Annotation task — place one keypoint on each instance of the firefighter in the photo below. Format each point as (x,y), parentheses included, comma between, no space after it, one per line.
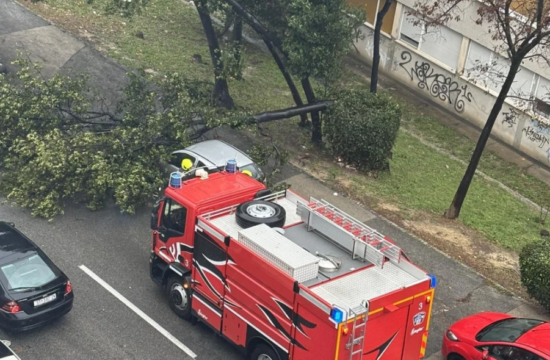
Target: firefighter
(186,164)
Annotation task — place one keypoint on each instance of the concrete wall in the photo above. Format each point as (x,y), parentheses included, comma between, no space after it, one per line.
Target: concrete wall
(409,66)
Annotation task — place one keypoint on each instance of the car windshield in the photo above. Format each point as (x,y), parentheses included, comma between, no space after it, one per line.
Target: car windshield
(29,272)
(507,330)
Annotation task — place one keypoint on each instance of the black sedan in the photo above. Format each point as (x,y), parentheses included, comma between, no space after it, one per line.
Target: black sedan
(33,291)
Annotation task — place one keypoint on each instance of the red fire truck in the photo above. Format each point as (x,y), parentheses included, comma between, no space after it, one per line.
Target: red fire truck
(284,277)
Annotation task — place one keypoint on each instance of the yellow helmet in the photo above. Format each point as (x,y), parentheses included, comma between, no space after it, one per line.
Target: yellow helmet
(247,172)
(186,164)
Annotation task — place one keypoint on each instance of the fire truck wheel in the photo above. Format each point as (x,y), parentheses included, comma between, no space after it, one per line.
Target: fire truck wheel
(263,352)
(455,357)
(179,297)
(257,212)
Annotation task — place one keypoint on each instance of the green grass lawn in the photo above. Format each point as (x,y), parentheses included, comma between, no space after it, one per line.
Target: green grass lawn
(462,147)
(421,178)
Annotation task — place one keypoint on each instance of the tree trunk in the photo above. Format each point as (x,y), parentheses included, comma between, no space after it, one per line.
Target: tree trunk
(316,132)
(220,94)
(288,113)
(454,210)
(254,23)
(237,41)
(376,50)
(293,89)
(238,29)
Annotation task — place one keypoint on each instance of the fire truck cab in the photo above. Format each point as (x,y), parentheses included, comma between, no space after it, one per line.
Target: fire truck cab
(285,277)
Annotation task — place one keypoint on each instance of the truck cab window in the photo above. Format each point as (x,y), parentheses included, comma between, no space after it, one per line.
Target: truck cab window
(174,216)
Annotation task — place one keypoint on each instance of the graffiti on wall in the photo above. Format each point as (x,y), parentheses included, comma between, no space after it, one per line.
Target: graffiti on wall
(540,127)
(439,85)
(538,133)
(509,118)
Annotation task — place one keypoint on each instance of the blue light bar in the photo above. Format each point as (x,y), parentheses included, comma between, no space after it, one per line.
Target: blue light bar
(433,281)
(337,315)
(175,180)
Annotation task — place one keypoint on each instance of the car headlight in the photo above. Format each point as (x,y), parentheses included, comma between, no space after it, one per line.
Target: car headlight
(451,336)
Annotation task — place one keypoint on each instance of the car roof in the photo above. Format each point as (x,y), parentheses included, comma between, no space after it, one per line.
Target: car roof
(12,241)
(218,152)
(537,338)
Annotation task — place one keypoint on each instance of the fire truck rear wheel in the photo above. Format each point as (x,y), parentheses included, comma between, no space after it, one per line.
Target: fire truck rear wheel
(263,352)
(455,357)
(257,212)
(179,297)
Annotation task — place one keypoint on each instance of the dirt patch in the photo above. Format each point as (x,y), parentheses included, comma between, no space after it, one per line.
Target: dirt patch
(389,207)
(469,247)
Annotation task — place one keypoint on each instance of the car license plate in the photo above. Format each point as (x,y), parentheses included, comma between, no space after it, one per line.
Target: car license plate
(45,300)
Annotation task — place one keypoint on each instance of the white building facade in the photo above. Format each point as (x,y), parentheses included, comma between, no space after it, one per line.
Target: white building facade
(457,67)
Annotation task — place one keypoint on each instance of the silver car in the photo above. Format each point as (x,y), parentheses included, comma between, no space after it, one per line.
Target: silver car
(213,154)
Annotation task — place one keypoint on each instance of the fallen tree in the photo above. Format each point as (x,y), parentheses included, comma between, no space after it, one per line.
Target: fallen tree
(55,148)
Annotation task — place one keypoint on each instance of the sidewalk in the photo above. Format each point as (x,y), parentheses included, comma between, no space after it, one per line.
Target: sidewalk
(460,292)
(57,51)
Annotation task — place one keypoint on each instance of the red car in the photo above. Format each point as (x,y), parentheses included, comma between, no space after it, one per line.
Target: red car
(494,336)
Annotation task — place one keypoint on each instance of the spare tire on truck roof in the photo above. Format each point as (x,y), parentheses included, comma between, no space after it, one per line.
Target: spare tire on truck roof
(257,212)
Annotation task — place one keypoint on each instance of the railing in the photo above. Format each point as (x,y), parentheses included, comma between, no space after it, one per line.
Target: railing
(361,240)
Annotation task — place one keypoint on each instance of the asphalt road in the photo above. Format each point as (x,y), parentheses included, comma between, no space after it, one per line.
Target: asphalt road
(116,248)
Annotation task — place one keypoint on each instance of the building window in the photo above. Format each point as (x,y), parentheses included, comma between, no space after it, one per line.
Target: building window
(541,105)
(441,43)
(371,7)
(489,70)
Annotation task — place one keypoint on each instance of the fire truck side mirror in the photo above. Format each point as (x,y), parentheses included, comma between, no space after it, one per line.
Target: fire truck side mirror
(155,216)
(154,221)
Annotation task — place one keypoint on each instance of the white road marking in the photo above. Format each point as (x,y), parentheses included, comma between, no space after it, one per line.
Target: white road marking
(140,313)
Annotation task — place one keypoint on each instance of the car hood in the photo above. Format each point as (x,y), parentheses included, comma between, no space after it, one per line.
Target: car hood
(466,329)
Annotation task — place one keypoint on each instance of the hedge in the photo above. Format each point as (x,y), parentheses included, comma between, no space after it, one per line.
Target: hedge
(361,128)
(534,261)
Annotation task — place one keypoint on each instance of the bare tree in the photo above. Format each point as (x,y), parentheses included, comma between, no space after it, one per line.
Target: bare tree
(521,30)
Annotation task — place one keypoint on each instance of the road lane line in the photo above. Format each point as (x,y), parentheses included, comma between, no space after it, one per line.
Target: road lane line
(135,309)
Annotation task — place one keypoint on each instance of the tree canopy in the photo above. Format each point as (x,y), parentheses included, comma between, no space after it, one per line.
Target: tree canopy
(55,147)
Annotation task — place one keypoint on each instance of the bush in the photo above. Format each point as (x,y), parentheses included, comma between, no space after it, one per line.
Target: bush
(534,262)
(361,128)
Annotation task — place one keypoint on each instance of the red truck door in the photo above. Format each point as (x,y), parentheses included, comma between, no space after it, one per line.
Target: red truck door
(386,335)
(209,279)
(173,239)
